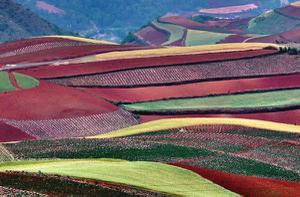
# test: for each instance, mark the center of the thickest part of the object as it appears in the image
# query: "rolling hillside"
(109, 20)
(222, 25)
(82, 116)
(17, 22)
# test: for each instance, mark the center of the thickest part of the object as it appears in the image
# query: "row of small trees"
(290, 48)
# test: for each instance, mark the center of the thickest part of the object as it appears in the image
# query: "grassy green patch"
(150, 175)
(271, 23)
(195, 37)
(266, 99)
(5, 84)
(25, 82)
(249, 168)
(265, 133)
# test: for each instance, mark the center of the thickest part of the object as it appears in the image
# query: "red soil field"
(9, 133)
(195, 89)
(10, 46)
(66, 52)
(115, 65)
(234, 39)
(289, 116)
(291, 11)
(49, 101)
(285, 37)
(181, 21)
(181, 41)
(274, 65)
(247, 185)
(152, 36)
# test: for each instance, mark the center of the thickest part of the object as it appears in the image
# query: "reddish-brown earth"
(289, 116)
(285, 37)
(247, 185)
(50, 101)
(195, 89)
(115, 65)
(10, 46)
(152, 36)
(234, 39)
(291, 11)
(181, 21)
(9, 133)
(65, 52)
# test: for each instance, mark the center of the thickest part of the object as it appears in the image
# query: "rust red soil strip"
(129, 95)
(289, 117)
(247, 185)
(13, 81)
(9, 133)
(66, 52)
(50, 101)
(116, 65)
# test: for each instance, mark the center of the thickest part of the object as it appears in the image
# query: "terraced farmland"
(100, 118)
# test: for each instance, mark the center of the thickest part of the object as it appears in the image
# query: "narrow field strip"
(174, 51)
(74, 38)
(120, 95)
(270, 65)
(149, 175)
(165, 124)
(73, 127)
(242, 102)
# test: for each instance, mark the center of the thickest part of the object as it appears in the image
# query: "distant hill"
(17, 22)
(276, 21)
(112, 20)
(227, 24)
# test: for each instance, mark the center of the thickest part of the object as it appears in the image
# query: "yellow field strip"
(174, 51)
(80, 39)
(165, 124)
(296, 4)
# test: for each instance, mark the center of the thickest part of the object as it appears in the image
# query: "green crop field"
(267, 99)
(25, 82)
(160, 177)
(195, 37)
(176, 32)
(5, 84)
(271, 23)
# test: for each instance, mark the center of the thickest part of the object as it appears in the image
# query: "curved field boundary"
(12, 134)
(64, 52)
(131, 95)
(273, 100)
(165, 124)
(197, 37)
(50, 101)
(29, 42)
(152, 53)
(151, 36)
(66, 186)
(36, 48)
(292, 11)
(246, 185)
(149, 175)
(74, 127)
(79, 39)
(175, 32)
(162, 52)
(181, 21)
(50, 71)
(288, 117)
(5, 83)
(282, 64)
